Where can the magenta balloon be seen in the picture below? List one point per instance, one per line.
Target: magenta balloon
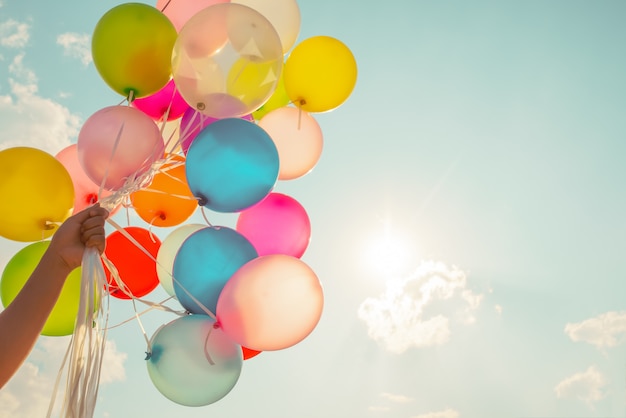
(272, 302)
(276, 225)
(298, 138)
(192, 122)
(85, 190)
(165, 101)
(116, 143)
(180, 11)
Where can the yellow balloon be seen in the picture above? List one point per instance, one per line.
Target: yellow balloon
(16, 274)
(36, 193)
(320, 74)
(132, 49)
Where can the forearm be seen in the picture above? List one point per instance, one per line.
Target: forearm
(22, 321)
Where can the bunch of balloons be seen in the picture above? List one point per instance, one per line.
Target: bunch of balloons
(220, 97)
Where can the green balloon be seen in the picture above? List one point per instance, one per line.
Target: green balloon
(17, 272)
(132, 49)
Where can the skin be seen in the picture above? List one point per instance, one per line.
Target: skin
(23, 320)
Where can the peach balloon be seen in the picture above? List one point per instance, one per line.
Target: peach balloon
(298, 138)
(86, 192)
(271, 303)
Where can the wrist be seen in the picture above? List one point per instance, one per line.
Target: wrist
(52, 262)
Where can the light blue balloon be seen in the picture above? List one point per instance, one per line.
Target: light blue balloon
(192, 362)
(231, 165)
(204, 263)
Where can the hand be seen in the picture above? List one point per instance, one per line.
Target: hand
(82, 230)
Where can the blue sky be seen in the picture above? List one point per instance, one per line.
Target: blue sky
(467, 214)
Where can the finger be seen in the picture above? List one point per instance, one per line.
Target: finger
(97, 210)
(100, 244)
(93, 222)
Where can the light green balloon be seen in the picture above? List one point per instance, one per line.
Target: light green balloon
(132, 49)
(17, 272)
(194, 363)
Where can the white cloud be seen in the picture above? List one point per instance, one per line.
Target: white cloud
(30, 120)
(585, 386)
(76, 45)
(397, 318)
(113, 364)
(29, 392)
(603, 331)
(14, 34)
(446, 413)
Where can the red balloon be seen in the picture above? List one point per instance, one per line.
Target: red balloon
(136, 269)
(248, 353)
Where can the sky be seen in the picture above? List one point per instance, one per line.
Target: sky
(467, 214)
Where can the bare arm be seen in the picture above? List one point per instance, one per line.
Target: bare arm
(22, 321)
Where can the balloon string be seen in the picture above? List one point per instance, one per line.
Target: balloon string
(120, 284)
(166, 4)
(185, 133)
(178, 196)
(206, 346)
(169, 140)
(204, 216)
(152, 306)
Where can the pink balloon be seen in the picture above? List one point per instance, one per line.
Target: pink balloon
(276, 225)
(272, 302)
(192, 122)
(117, 143)
(158, 104)
(180, 11)
(85, 190)
(298, 138)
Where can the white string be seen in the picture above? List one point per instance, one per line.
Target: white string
(86, 349)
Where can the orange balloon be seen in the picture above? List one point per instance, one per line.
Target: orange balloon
(167, 201)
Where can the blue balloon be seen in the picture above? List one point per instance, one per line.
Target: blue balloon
(204, 263)
(231, 165)
(192, 362)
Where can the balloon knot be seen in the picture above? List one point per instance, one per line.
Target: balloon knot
(200, 106)
(148, 355)
(202, 201)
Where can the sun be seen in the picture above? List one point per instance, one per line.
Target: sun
(389, 252)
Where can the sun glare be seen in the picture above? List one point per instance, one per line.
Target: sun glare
(389, 253)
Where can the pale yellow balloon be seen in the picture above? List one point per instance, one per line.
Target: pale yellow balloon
(215, 57)
(284, 15)
(320, 74)
(36, 194)
(171, 135)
